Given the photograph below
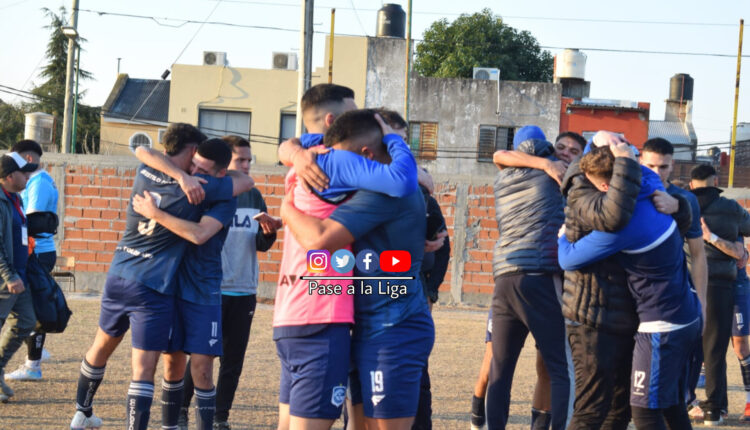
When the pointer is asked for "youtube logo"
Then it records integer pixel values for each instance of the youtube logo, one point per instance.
(395, 261)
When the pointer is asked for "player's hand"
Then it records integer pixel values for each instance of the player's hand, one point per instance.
(145, 205)
(742, 262)
(425, 179)
(556, 170)
(622, 149)
(665, 203)
(434, 245)
(16, 287)
(561, 232)
(191, 186)
(268, 223)
(310, 175)
(706, 231)
(384, 126)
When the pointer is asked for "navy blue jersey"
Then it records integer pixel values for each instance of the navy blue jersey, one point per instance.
(695, 209)
(148, 253)
(381, 223)
(199, 275)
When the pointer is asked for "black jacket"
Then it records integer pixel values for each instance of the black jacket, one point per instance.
(728, 220)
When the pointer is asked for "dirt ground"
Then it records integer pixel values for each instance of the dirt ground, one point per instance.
(454, 364)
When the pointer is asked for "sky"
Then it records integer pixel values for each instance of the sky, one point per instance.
(148, 46)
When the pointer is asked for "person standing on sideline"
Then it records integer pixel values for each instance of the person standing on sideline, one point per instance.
(252, 230)
(40, 195)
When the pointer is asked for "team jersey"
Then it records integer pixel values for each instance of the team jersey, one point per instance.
(40, 195)
(149, 253)
(199, 275)
(695, 209)
(349, 172)
(653, 259)
(379, 223)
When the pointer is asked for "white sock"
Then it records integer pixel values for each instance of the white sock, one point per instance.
(33, 364)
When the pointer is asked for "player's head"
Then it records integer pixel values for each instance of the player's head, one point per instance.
(322, 103)
(703, 176)
(657, 154)
(180, 143)
(30, 150)
(569, 145)
(396, 121)
(527, 132)
(598, 165)
(242, 154)
(14, 172)
(213, 158)
(358, 131)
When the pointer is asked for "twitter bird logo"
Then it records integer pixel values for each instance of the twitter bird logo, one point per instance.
(343, 261)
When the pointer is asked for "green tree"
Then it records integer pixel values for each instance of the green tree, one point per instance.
(11, 124)
(51, 92)
(452, 50)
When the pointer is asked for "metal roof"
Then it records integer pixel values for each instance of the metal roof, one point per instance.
(129, 103)
(674, 131)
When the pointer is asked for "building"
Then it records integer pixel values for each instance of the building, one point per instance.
(134, 114)
(677, 126)
(587, 116)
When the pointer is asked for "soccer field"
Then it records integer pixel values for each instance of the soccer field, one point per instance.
(454, 364)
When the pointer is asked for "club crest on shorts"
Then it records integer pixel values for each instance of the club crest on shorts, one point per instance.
(338, 395)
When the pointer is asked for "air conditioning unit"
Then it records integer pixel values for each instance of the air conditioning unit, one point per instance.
(285, 60)
(214, 58)
(487, 73)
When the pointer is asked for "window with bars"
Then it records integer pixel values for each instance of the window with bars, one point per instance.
(423, 138)
(139, 139)
(493, 138)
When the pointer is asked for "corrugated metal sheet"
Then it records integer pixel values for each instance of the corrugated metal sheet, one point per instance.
(133, 95)
(674, 131)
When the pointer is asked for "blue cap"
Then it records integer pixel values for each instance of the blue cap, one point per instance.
(527, 132)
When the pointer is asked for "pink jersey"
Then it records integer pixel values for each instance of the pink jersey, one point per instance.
(294, 303)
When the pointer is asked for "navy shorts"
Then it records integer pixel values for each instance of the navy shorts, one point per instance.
(488, 334)
(390, 367)
(197, 329)
(314, 371)
(661, 366)
(740, 325)
(128, 304)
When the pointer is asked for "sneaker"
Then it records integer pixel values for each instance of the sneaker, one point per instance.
(82, 422)
(182, 420)
(713, 418)
(696, 413)
(45, 355)
(222, 425)
(24, 373)
(5, 391)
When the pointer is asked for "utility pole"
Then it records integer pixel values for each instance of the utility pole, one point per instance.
(68, 113)
(732, 148)
(118, 65)
(305, 71)
(408, 62)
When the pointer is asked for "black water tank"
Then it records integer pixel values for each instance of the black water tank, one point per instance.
(391, 21)
(681, 87)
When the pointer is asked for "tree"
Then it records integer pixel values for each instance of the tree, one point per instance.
(51, 93)
(452, 50)
(11, 124)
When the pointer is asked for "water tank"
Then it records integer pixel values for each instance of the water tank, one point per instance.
(681, 87)
(571, 64)
(39, 127)
(391, 21)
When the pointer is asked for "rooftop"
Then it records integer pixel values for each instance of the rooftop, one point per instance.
(138, 99)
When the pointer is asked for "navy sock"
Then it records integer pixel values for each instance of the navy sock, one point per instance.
(205, 408)
(88, 383)
(140, 396)
(171, 401)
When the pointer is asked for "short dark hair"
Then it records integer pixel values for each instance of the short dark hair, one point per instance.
(27, 145)
(323, 94)
(216, 150)
(235, 141)
(702, 172)
(392, 118)
(179, 135)
(600, 162)
(658, 145)
(575, 136)
(352, 124)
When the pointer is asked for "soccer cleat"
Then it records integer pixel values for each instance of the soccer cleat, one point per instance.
(24, 373)
(713, 418)
(746, 416)
(45, 355)
(222, 425)
(182, 419)
(696, 413)
(82, 422)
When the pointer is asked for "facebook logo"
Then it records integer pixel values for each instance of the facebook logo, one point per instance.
(367, 261)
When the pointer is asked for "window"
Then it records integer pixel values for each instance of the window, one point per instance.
(139, 139)
(288, 126)
(423, 138)
(218, 123)
(493, 138)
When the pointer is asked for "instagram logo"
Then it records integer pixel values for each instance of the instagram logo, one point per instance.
(317, 260)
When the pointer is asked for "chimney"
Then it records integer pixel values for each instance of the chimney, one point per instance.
(680, 101)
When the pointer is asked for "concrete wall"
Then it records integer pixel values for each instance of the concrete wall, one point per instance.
(115, 136)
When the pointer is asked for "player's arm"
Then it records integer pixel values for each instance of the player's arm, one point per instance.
(593, 247)
(190, 185)
(698, 268)
(505, 158)
(292, 153)
(266, 234)
(311, 232)
(195, 232)
(735, 250)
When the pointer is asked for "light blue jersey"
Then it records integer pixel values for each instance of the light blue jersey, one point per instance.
(41, 195)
